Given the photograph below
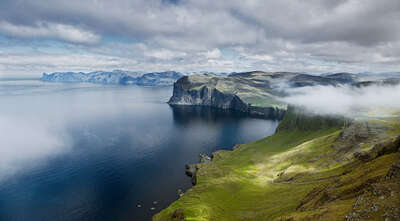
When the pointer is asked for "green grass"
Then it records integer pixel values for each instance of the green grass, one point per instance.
(234, 187)
(243, 184)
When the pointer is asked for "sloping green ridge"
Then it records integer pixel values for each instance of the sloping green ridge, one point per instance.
(243, 184)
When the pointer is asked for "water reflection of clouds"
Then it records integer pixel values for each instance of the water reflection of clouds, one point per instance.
(44, 119)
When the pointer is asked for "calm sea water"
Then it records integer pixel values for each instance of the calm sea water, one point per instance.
(93, 152)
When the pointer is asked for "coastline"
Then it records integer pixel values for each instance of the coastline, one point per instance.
(233, 184)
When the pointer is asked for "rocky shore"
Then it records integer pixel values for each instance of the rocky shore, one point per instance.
(191, 169)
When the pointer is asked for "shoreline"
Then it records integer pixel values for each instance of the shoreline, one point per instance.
(240, 183)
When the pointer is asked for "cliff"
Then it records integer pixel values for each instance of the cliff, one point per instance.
(257, 93)
(313, 168)
(184, 94)
(232, 92)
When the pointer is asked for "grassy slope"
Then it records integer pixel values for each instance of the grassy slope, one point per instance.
(244, 184)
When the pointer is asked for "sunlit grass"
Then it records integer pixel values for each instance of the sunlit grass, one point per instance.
(244, 184)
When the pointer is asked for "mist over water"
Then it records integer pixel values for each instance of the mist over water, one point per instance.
(93, 152)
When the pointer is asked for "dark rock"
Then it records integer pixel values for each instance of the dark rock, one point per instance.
(394, 171)
(194, 179)
(191, 169)
(363, 156)
(205, 97)
(178, 215)
(215, 153)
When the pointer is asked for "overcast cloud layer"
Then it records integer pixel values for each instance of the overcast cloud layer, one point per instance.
(192, 35)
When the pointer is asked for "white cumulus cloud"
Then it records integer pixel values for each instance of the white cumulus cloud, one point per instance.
(45, 30)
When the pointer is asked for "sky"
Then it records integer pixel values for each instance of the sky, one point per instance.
(314, 36)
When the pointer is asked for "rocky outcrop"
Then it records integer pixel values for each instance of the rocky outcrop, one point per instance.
(379, 149)
(394, 171)
(189, 93)
(205, 96)
(191, 169)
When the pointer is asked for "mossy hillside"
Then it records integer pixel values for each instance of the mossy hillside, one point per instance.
(241, 184)
(360, 187)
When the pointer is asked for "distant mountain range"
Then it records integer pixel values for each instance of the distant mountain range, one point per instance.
(168, 78)
(119, 77)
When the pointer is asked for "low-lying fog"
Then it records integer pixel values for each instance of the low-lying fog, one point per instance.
(345, 100)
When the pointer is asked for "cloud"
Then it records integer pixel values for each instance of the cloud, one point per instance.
(44, 30)
(214, 54)
(345, 100)
(164, 54)
(264, 57)
(25, 139)
(27, 63)
(291, 35)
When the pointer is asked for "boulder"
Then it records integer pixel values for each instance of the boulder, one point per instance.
(190, 169)
(194, 179)
(394, 171)
(204, 158)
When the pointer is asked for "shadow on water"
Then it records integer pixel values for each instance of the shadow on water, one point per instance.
(189, 114)
(186, 114)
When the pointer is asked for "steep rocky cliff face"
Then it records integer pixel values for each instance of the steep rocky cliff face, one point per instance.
(187, 92)
(205, 96)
